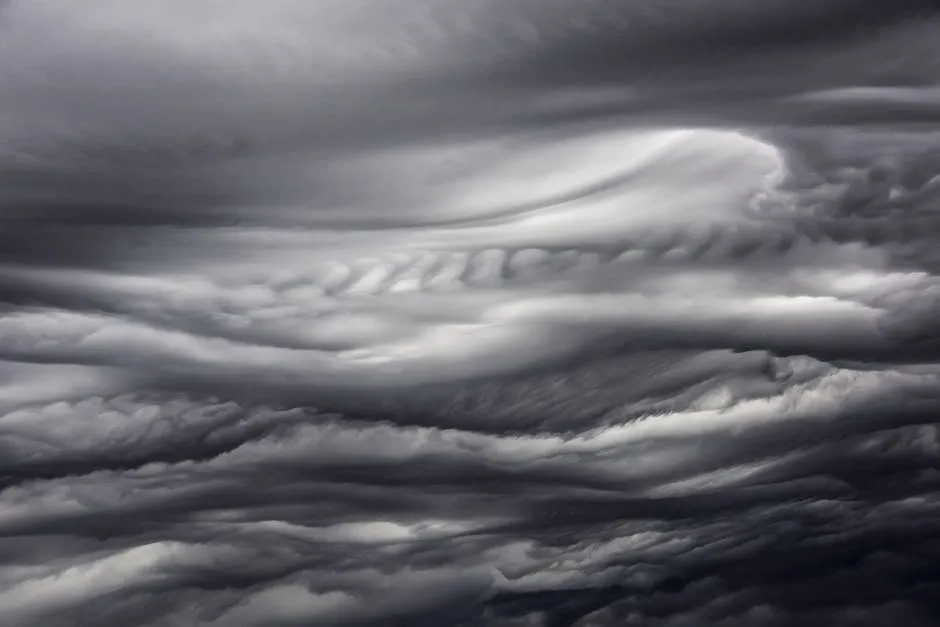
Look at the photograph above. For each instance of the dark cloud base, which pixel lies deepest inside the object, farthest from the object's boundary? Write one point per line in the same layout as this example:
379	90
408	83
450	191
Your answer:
513	313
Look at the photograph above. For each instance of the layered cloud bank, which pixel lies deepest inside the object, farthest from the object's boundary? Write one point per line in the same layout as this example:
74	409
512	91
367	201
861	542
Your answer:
483	313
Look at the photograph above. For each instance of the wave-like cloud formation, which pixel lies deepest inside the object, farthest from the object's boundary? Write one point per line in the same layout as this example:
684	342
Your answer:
482	313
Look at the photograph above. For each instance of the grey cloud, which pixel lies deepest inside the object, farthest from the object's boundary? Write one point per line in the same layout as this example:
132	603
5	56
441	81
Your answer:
535	312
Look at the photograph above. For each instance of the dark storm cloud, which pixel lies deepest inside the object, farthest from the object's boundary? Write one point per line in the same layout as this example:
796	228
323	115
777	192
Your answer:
531	312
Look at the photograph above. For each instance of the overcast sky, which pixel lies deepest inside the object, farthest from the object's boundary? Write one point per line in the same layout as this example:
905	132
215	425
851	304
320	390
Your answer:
475	313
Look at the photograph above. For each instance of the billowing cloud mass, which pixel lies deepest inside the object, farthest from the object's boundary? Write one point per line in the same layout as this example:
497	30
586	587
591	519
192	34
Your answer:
473	313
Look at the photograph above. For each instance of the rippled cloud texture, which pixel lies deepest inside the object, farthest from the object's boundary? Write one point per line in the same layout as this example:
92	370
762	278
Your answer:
548	313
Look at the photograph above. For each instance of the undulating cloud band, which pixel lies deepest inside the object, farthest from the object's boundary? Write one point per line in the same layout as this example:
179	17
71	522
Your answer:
469	313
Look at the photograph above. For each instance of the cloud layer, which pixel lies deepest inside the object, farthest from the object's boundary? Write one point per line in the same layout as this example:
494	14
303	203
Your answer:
484	313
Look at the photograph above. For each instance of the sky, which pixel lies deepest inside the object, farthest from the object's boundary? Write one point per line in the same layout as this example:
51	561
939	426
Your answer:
477	313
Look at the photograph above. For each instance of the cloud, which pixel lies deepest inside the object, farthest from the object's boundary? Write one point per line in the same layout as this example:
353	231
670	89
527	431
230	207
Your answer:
543	313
